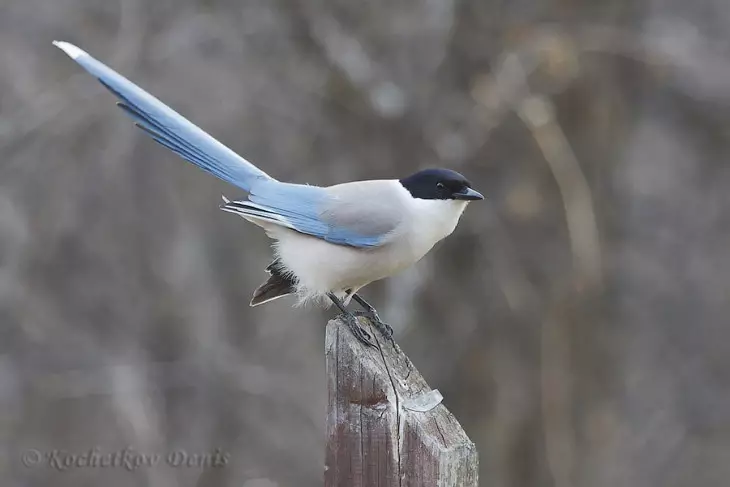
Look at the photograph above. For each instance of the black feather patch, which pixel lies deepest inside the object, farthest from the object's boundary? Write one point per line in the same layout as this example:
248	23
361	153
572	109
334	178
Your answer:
279	284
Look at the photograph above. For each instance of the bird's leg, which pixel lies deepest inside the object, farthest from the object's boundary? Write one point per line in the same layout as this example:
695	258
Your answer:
385	329
351	321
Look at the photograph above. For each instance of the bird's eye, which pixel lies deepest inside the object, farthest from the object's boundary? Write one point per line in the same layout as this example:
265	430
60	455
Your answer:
440	185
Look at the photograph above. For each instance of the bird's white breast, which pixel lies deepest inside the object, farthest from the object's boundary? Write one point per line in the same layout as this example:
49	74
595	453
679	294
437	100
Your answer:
321	267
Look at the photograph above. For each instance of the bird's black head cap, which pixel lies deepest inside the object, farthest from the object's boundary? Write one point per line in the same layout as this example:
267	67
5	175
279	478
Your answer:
440	184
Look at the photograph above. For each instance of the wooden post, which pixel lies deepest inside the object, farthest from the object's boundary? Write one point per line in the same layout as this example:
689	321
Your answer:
385	426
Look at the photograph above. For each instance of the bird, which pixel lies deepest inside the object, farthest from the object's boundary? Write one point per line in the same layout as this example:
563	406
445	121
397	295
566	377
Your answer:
328	241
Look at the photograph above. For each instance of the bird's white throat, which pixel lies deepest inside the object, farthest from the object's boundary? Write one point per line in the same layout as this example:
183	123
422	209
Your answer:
436	219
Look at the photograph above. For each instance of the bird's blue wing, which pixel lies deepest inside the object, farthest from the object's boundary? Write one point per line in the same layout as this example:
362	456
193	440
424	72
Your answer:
306	209
168	127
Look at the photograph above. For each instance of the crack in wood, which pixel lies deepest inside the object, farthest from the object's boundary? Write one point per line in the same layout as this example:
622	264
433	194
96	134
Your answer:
394	446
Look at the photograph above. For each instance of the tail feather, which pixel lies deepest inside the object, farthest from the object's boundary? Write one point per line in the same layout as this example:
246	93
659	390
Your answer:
168	127
278	285
250	210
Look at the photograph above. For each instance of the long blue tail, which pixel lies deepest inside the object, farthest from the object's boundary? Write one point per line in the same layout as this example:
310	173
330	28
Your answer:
168	127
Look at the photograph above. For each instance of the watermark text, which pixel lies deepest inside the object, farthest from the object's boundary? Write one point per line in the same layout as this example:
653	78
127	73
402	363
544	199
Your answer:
128	458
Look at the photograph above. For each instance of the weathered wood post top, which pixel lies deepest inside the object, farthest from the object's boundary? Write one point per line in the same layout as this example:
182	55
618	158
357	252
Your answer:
385	426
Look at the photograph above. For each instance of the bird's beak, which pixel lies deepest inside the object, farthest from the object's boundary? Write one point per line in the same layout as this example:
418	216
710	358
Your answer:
468	194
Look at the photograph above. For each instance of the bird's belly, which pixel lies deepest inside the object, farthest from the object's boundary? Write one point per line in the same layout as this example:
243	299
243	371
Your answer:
322	267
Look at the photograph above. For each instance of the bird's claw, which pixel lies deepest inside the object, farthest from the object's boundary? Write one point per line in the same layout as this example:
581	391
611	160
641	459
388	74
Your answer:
357	330
384	328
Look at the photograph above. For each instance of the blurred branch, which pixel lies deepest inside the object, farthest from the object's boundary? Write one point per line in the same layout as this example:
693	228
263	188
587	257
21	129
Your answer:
556	401
236	375
697	67
141	414
41	108
130	34
509	89
538	113
348	55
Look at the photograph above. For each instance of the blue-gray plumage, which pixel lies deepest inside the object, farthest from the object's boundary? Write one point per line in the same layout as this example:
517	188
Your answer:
329	241
308	210
168	127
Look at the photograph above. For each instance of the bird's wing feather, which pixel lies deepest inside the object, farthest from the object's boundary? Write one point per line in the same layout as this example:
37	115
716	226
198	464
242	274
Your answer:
168	127
344	215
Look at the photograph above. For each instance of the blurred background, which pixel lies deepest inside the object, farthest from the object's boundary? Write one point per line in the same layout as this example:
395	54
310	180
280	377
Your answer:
576	321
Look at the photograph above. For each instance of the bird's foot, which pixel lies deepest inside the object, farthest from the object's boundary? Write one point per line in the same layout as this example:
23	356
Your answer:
357	330
384	328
